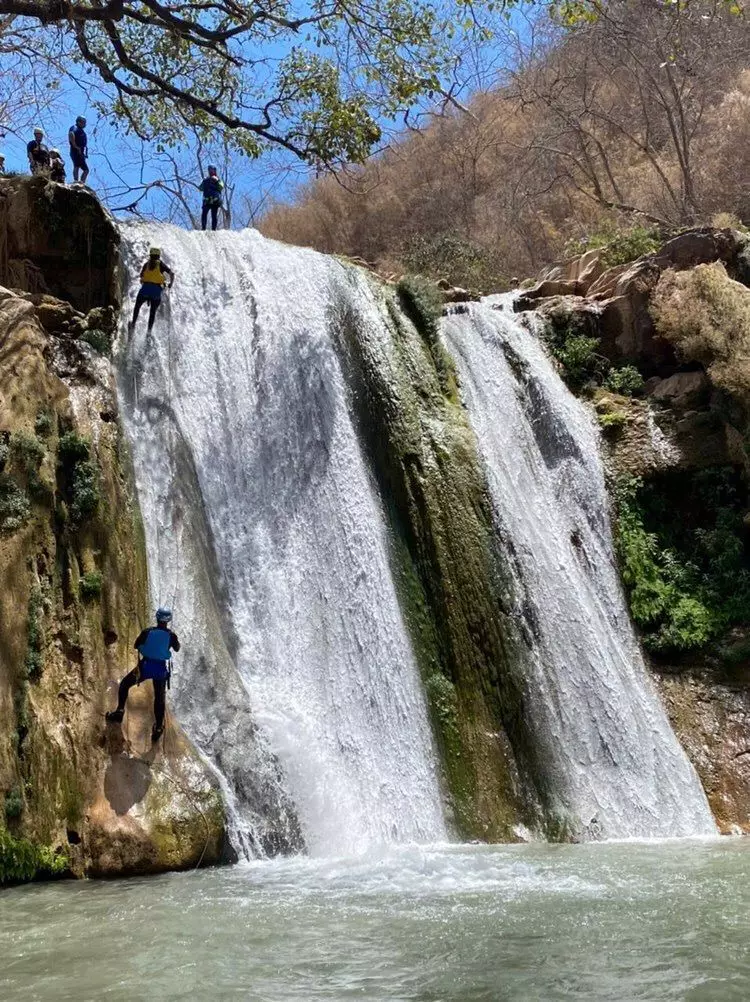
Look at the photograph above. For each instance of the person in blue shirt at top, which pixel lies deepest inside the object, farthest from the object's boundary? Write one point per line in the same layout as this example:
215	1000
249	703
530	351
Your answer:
79	149
212	188
154	645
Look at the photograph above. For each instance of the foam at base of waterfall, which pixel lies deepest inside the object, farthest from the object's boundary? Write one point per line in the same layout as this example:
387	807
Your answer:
613	767
263	528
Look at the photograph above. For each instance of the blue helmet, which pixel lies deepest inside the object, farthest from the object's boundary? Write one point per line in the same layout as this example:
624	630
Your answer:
163	615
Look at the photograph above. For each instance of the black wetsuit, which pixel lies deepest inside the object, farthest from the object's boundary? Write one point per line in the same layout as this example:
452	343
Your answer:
38	155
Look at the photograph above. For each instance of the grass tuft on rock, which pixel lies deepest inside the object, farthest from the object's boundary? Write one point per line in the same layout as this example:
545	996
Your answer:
80	480
15	507
90	586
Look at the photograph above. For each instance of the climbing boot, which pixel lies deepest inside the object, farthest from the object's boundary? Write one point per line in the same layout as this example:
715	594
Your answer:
156	733
115	716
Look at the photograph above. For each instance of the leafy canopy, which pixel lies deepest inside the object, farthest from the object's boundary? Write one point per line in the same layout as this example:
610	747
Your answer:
313	76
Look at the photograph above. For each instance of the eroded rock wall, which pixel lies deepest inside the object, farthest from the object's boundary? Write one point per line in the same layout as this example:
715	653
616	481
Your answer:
74	595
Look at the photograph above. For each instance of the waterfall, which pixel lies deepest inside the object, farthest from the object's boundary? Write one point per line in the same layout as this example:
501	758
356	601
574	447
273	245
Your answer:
263	528
613	767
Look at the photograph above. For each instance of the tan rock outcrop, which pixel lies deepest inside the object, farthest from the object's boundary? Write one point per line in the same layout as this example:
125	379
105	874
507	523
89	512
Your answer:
72	600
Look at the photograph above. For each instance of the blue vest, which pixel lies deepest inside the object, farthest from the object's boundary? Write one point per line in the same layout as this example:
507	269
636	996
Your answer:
80	136
156	645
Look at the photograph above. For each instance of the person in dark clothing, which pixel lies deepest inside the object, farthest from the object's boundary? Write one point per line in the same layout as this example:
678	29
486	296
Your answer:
153	279
56	167
154	645
79	149
212	188
37	153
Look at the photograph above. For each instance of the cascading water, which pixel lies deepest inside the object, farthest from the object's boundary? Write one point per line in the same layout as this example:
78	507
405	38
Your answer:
613	768
296	678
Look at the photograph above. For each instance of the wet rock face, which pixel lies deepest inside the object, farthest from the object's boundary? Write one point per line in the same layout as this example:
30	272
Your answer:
74	597
57	240
712	721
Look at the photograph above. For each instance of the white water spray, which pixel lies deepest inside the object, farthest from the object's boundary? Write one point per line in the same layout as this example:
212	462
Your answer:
614	767
297	678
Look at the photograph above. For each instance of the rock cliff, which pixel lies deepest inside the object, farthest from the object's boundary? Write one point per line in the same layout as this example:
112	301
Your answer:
76	795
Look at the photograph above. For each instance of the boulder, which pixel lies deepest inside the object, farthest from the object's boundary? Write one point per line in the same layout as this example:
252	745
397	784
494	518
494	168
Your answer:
455	294
624	292
546	290
57	240
683	391
582	270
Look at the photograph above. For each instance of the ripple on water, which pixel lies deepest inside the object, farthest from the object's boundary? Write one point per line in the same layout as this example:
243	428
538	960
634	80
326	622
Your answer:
443	923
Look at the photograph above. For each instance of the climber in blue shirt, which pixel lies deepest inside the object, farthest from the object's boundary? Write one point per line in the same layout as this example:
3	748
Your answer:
79	149
154	646
212	188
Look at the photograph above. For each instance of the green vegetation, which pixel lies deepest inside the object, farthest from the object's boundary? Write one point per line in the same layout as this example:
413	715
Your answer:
43	423
443	701
680	543
422	303
27	451
624	379
13	804
72	448
90	585
619	246
612	422
22	860
15	509
460	262
81	482
328	75
570	342
21	710
99	340
34	661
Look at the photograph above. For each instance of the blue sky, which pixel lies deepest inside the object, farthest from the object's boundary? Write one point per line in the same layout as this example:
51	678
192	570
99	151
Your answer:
118	163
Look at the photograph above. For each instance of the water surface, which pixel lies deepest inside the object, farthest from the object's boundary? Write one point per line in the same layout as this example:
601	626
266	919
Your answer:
619	922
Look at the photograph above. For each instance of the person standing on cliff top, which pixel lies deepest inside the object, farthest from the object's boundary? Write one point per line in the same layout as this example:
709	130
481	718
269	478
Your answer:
153	279
212	188
37	153
154	645
79	149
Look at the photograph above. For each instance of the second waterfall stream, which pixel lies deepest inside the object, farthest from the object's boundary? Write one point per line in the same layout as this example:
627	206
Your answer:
265	529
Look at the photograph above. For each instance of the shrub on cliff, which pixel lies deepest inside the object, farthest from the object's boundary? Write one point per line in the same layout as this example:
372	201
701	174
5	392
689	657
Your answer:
80	476
706	316
15	509
679	539
619	246
570	341
449	256
22	860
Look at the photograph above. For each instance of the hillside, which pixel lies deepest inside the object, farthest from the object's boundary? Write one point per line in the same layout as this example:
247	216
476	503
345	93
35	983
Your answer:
638	120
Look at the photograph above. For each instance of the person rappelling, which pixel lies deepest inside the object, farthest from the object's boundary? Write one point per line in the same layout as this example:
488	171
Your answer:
212	187
153	279
154	645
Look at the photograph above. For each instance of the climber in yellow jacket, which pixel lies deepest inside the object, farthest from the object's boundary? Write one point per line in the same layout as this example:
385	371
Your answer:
153	279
